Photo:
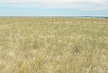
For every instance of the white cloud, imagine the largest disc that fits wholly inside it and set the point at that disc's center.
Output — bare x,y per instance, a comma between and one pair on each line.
53,1
82,4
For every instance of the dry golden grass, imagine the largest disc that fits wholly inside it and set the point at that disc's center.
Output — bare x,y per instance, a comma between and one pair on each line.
66,45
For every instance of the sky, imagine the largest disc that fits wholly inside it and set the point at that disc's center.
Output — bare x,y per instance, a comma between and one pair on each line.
54,7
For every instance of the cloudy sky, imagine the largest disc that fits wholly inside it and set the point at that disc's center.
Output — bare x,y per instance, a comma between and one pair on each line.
54,7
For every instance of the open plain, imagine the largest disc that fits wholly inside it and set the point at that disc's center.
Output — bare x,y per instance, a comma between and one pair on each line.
61,45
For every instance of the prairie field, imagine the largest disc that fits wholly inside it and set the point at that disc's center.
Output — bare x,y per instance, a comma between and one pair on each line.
61,45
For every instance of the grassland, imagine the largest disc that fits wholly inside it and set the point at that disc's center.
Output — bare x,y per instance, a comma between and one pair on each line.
66,45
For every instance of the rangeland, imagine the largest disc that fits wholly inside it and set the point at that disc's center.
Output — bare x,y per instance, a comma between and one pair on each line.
64,45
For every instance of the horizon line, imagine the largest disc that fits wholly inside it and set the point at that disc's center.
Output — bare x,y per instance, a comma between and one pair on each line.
50,16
